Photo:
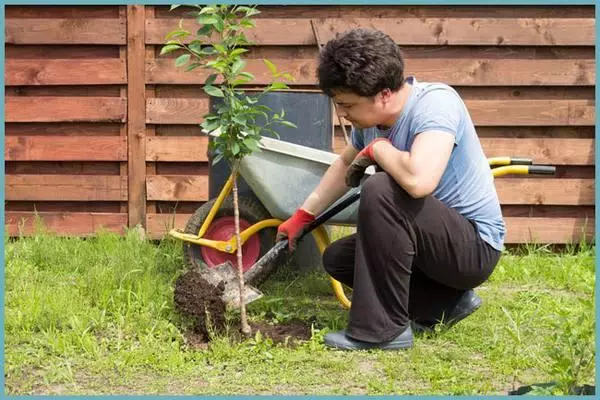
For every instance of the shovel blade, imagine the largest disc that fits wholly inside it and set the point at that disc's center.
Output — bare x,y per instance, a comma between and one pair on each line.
227,274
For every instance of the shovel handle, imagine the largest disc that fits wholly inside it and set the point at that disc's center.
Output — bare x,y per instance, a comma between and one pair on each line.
327,214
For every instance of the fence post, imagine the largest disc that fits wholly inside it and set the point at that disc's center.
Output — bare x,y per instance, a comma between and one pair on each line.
136,115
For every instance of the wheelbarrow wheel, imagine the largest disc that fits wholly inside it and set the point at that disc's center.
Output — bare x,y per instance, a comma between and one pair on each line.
222,228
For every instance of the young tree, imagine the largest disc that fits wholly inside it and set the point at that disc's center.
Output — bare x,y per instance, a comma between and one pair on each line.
218,45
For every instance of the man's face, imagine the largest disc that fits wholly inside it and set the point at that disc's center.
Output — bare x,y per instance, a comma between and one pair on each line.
362,112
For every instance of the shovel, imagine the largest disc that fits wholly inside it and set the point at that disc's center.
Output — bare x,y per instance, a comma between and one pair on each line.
227,273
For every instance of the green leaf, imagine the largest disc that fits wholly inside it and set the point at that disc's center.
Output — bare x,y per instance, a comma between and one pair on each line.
192,66
178,33
213,91
219,25
278,85
210,125
287,123
237,66
208,9
239,119
208,50
251,143
217,158
206,30
235,148
246,23
182,60
247,75
206,19
289,77
211,79
271,66
169,48
220,48
237,52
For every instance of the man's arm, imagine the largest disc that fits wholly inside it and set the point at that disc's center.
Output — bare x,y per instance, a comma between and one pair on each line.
332,185
420,170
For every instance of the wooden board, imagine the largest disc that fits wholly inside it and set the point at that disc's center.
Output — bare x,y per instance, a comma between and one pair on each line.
177,188
65,31
548,230
545,191
180,149
528,190
65,223
63,109
483,112
64,72
543,150
71,148
136,111
519,230
66,187
456,72
410,31
175,111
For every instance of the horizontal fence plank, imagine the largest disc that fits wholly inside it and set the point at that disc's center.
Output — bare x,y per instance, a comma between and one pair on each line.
65,223
71,148
64,72
177,188
66,188
65,109
548,230
174,148
483,112
545,191
510,191
554,151
519,230
410,31
542,150
65,31
456,72
175,111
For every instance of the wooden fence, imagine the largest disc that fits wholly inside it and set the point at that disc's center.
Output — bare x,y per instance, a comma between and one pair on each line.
101,131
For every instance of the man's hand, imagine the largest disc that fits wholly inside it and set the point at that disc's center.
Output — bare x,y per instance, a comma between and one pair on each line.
294,227
364,159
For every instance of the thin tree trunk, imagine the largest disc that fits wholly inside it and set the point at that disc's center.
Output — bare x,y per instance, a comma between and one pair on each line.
245,328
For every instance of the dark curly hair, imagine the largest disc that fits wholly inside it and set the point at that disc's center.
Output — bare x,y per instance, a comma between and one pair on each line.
363,61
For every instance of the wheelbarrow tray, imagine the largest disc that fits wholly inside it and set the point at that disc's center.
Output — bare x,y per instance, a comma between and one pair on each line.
283,174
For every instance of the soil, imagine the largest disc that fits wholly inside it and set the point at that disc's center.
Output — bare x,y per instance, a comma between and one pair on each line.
197,299
200,301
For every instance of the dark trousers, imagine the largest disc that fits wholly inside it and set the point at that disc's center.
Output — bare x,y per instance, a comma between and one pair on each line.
410,259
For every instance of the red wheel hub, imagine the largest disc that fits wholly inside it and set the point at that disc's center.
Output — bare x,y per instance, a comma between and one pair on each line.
223,229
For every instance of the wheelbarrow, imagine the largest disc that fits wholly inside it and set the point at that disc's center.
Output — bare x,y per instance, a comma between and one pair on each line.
281,176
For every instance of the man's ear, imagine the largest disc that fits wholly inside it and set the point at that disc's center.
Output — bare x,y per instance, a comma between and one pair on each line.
386,95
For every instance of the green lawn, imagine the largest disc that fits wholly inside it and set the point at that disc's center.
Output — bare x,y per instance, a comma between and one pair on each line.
96,317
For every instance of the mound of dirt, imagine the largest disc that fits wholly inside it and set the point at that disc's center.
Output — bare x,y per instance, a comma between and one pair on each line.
201,301
197,299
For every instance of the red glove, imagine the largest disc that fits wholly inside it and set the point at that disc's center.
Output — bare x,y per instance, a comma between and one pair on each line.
294,226
364,159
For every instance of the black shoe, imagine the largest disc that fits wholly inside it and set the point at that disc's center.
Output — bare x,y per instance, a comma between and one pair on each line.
340,341
467,305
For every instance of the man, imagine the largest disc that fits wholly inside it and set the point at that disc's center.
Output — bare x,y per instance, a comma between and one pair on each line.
429,227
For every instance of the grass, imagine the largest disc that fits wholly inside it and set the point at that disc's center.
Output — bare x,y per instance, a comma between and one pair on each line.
96,316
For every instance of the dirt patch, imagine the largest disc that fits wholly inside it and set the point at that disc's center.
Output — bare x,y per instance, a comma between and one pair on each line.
197,299
289,334
200,301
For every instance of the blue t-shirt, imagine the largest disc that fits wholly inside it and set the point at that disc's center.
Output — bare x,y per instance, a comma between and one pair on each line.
467,184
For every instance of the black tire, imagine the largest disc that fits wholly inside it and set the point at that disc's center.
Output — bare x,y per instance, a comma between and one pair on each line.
251,211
